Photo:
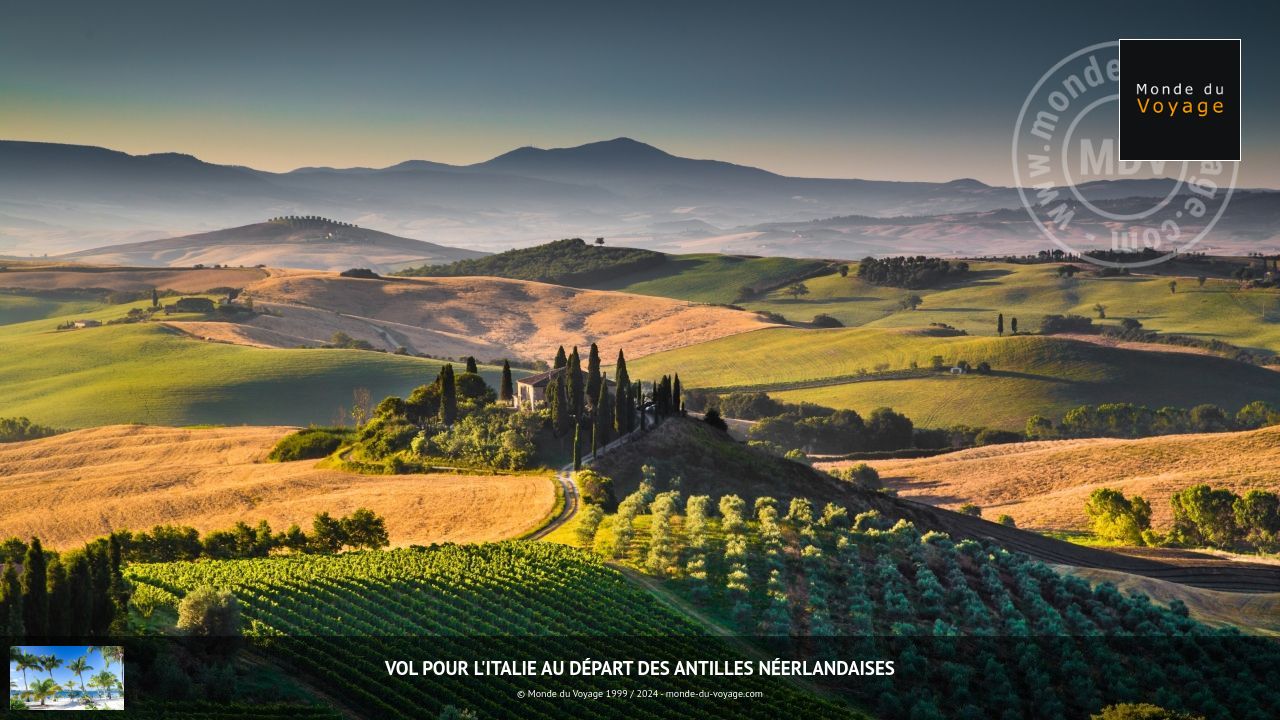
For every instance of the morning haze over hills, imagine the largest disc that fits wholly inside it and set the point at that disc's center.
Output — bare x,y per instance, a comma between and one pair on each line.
59,199
611,424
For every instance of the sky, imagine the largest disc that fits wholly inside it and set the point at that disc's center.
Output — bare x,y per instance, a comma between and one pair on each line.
67,679
899,91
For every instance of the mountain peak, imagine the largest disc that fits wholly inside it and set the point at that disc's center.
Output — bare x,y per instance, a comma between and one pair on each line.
621,148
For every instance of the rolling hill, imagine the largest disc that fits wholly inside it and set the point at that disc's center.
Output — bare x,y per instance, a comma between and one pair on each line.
704,277
152,373
1221,308
1044,485
709,462
311,244
1031,374
134,477
487,317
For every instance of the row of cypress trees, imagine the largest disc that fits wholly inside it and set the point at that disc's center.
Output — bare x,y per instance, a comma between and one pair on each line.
44,593
581,401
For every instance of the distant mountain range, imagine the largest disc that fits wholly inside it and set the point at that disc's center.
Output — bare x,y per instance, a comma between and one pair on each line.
315,244
64,198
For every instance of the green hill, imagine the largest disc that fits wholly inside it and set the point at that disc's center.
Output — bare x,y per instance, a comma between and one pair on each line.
563,262
709,278
975,631
151,373
865,368
1220,309
712,278
18,308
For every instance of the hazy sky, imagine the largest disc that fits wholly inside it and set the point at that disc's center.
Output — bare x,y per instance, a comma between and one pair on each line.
876,90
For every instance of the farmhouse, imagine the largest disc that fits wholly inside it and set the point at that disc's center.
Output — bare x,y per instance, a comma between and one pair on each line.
531,390
87,323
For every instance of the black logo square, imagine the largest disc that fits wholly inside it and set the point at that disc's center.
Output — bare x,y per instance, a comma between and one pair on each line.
1180,100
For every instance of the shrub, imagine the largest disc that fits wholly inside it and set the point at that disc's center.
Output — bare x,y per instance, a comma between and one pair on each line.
343,341
970,509
1006,520
712,418
1051,324
992,436
595,489
1204,516
862,475
210,613
1116,517
309,444
823,320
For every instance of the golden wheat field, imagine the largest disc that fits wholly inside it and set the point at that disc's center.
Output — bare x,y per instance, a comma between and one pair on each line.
1044,485
481,316
80,485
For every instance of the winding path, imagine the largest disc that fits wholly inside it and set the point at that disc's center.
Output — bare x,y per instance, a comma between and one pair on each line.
565,478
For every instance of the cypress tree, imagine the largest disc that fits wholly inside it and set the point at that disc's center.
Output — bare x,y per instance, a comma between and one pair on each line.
119,588
576,386
644,417
1013,326
558,404
11,621
155,298
593,373
623,410
577,446
505,390
59,598
1000,324
448,395
604,419
664,397
561,361
471,365
35,591
677,400
102,609
80,582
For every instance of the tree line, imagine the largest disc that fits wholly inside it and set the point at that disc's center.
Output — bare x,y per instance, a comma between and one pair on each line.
80,593
362,529
1127,420
17,429
1203,516
912,272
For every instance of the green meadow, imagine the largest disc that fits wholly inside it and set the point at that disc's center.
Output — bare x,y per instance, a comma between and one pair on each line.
852,368
151,373
711,278
1248,318
23,308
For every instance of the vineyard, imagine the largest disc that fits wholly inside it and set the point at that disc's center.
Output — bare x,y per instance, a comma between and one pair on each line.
337,620
977,632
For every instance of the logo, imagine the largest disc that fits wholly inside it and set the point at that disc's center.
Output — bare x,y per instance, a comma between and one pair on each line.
1082,196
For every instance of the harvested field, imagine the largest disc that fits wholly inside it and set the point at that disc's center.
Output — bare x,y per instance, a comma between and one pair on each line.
74,487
